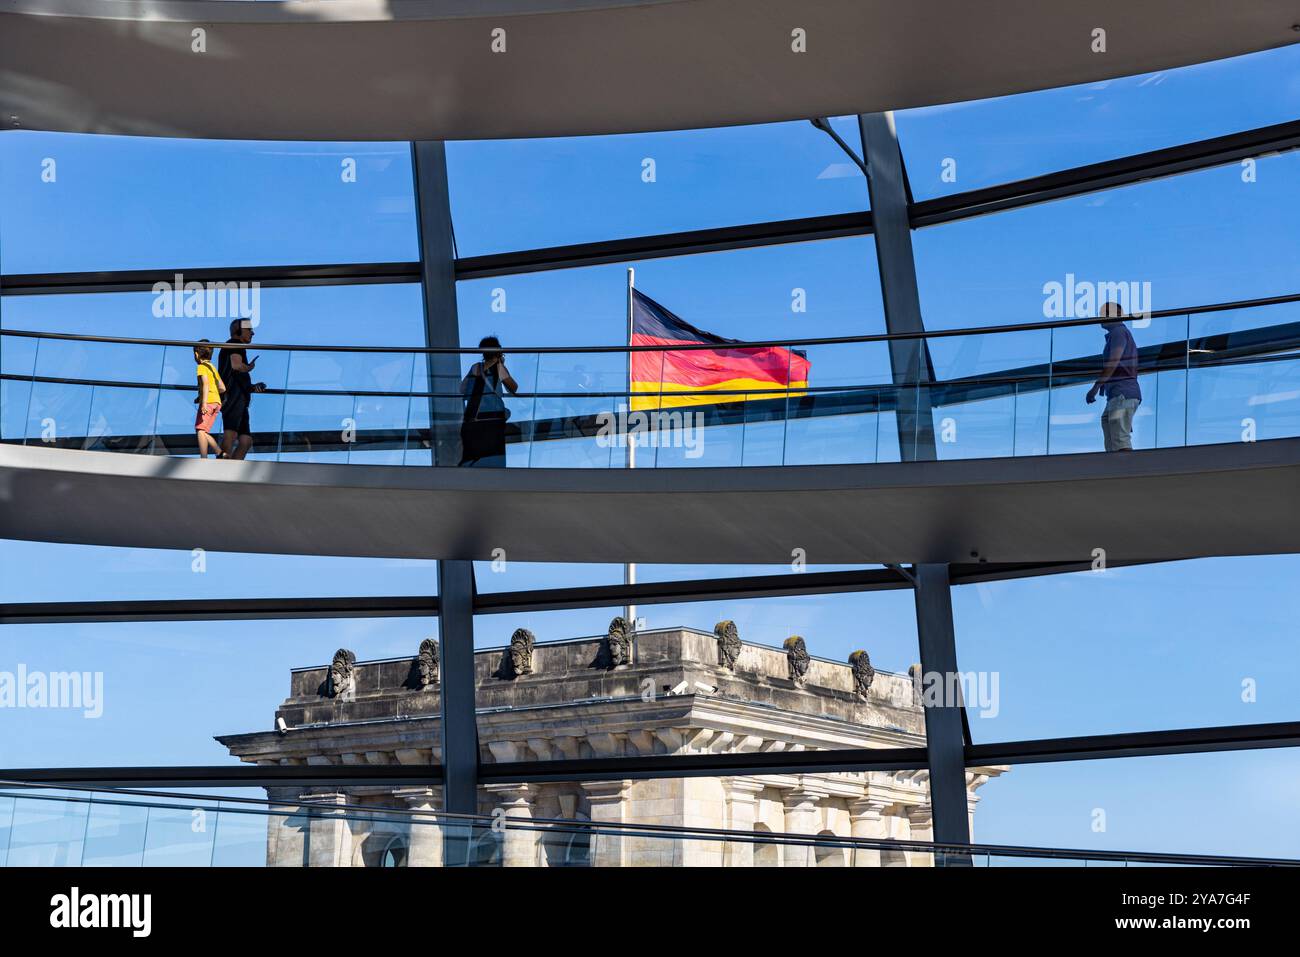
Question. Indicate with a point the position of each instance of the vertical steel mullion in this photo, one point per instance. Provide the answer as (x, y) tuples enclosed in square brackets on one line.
[(459, 723), (945, 737), (459, 726)]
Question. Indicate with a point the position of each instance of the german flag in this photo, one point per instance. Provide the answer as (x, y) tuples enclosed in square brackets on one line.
[(686, 377)]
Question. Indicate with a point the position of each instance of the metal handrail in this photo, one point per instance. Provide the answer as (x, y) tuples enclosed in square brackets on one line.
[(684, 347)]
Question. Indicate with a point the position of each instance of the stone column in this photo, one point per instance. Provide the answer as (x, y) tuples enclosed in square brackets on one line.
[(742, 813), (866, 820), (973, 781), (608, 801), (329, 832), (800, 818), (286, 832), (921, 818), (424, 836), (519, 844)]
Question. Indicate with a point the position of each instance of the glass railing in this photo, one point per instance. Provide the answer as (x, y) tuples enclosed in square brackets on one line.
[(1222, 374), (90, 827)]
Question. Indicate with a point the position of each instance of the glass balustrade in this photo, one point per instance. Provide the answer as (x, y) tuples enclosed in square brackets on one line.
[(1220, 376), (87, 827)]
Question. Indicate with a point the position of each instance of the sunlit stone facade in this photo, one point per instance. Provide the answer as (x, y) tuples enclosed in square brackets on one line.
[(674, 691)]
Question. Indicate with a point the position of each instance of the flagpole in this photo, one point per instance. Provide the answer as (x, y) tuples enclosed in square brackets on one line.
[(629, 568)]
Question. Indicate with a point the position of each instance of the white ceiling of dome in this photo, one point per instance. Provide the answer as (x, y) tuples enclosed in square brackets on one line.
[(454, 69)]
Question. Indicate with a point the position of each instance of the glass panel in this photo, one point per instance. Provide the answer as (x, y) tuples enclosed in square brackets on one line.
[(1233, 398), (160, 693), (120, 834), (76, 202), (1040, 655), (524, 194), (48, 571), (46, 833), (964, 146), (1207, 237), (384, 314), (319, 828), (800, 290), (747, 821), (1154, 804)]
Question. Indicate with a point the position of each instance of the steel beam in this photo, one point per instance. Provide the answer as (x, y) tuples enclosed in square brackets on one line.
[(143, 280), (532, 600), (438, 278), (908, 358)]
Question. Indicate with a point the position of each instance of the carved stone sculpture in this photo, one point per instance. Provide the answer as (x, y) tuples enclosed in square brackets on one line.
[(728, 643), (428, 662), (342, 682), (863, 673), (796, 658), (914, 672), (618, 643), (520, 656)]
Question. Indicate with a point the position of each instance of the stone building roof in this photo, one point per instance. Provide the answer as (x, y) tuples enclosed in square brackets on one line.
[(675, 694)]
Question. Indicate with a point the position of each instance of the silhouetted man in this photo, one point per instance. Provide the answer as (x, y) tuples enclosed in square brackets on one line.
[(1117, 382), (483, 430), (237, 372)]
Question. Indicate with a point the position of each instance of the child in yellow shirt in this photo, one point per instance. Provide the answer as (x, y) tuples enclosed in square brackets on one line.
[(211, 388)]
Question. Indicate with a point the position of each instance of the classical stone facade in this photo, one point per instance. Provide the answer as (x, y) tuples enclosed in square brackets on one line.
[(674, 691)]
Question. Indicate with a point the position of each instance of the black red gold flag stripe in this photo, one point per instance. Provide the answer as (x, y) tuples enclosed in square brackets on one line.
[(687, 377)]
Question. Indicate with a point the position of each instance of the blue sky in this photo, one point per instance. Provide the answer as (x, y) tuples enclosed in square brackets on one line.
[(1130, 649)]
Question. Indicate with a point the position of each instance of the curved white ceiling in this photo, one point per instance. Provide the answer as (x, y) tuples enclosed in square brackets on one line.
[(427, 69), (1040, 509)]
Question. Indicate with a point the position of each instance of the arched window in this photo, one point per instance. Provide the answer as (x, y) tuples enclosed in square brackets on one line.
[(394, 853), (578, 851), (829, 855), (485, 849), (567, 846), (766, 854)]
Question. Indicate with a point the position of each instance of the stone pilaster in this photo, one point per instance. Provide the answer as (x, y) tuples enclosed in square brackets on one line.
[(742, 813), (800, 818), (608, 802), (519, 844), (286, 831), (329, 832), (921, 818), (974, 781), (424, 835), (867, 821)]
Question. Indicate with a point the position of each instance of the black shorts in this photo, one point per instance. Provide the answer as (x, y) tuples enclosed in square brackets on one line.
[(234, 415)]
